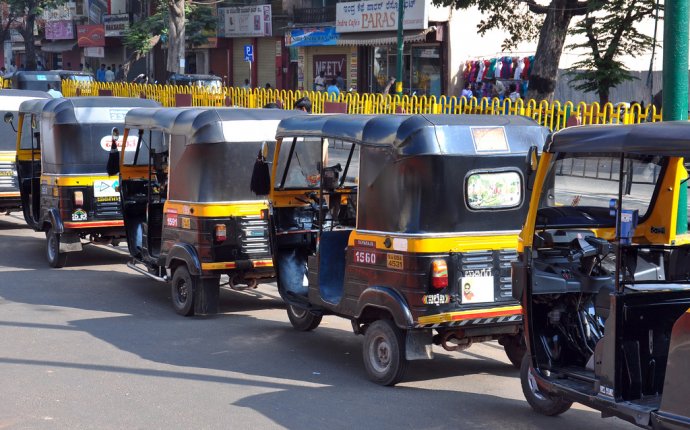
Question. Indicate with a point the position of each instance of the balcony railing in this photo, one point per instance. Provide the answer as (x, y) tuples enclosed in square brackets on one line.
[(314, 15)]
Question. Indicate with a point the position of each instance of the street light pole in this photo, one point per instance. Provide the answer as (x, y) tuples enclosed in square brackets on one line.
[(399, 75), (675, 73)]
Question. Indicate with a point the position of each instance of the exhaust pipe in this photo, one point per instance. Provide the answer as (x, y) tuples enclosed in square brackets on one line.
[(235, 281), (451, 342)]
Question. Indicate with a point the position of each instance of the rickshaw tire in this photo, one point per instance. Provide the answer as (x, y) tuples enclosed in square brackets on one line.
[(546, 405), (515, 349), (302, 319), (56, 259), (383, 337), (183, 301)]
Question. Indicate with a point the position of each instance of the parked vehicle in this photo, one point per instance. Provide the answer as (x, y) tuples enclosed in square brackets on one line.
[(206, 81), (604, 276), (75, 75), (188, 209), (404, 224), (36, 81), (62, 150), (10, 100)]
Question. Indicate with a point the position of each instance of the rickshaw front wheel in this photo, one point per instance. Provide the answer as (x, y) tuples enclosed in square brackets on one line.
[(56, 259), (384, 352), (183, 285), (302, 319), (544, 403)]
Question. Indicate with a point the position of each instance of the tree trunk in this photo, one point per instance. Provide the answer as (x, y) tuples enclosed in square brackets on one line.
[(29, 46), (542, 81), (176, 36)]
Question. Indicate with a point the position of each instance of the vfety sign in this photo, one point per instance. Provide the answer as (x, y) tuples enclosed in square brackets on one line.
[(380, 15)]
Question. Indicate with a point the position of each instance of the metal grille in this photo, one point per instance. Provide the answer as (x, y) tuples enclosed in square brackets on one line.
[(108, 209), (8, 177), (498, 262), (254, 236)]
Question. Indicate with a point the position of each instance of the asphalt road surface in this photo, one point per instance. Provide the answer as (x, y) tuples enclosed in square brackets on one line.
[(96, 346)]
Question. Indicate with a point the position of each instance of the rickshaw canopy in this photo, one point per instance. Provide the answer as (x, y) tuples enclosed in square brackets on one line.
[(85, 110)]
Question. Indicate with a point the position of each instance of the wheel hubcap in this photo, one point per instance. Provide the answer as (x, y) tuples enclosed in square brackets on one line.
[(182, 291), (51, 247), (298, 313), (534, 388), (381, 354)]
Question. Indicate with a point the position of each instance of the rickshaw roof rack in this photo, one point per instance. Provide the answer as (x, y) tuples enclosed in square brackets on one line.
[(667, 138), (211, 125), (28, 94), (419, 134), (78, 110)]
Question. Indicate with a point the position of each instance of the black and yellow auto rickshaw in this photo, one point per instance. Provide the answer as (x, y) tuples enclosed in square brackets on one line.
[(188, 209), (62, 149), (9, 106), (406, 225), (604, 275), (36, 81)]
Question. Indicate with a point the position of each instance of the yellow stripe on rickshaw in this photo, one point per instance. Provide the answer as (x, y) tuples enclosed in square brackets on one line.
[(430, 244), (233, 265), (471, 314), (216, 210), (75, 180), (9, 194), (93, 224)]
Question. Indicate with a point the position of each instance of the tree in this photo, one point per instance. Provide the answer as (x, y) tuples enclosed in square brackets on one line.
[(609, 34), (176, 35), (524, 19), (30, 10), (145, 34)]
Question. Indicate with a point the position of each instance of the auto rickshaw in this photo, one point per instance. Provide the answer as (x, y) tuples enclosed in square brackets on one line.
[(10, 100), (404, 224), (604, 275), (62, 149), (189, 213), (36, 81)]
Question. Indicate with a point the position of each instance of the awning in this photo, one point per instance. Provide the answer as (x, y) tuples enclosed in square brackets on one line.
[(382, 38), (59, 45)]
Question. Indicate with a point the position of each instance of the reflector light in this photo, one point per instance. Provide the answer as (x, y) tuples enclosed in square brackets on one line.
[(79, 198), (439, 274), (221, 233)]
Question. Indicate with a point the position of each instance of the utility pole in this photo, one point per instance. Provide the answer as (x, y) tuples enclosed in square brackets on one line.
[(399, 75), (675, 73)]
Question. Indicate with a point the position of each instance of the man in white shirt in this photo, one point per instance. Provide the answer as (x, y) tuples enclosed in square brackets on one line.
[(109, 75), (320, 82)]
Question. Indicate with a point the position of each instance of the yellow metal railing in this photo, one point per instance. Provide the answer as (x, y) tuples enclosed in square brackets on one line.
[(553, 115)]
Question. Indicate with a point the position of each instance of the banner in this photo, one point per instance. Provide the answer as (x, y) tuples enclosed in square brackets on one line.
[(245, 21), (330, 65), (59, 30), (318, 36), (380, 15), (90, 35), (116, 25)]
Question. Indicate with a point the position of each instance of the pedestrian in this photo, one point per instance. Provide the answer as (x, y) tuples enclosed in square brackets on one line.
[(268, 86), (387, 89), (479, 90), (3, 71), (12, 68), (246, 85), (320, 82), (39, 66), (53, 92), (340, 81), (303, 104), (514, 94), (333, 92), (109, 75), (499, 90), (466, 91), (100, 74), (120, 74)]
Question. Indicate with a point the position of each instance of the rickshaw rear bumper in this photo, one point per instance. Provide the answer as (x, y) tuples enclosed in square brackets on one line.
[(487, 317), (257, 268)]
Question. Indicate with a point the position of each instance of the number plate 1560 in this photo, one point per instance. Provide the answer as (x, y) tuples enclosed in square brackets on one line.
[(365, 257)]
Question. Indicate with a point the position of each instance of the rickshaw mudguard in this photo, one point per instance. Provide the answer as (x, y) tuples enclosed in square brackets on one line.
[(674, 412), (52, 217), (187, 254)]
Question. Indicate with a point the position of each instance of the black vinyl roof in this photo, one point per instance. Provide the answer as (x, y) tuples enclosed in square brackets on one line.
[(421, 134), (667, 138), (211, 125), (78, 110), (47, 76)]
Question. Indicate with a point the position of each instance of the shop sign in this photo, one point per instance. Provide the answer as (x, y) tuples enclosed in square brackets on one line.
[(116, 25), (59, 30), (91, 35), (65, 12), (380, 15), (330, 65), (97, 9), (94, 52), (317, 36), (245, 21)]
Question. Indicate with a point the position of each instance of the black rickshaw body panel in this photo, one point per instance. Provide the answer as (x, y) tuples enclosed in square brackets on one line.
[(414, 209), (209, 155), (36, 80)]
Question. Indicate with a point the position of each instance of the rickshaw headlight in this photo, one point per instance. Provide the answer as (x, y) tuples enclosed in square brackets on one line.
[(79, 198), (439, 274), (221, 233)]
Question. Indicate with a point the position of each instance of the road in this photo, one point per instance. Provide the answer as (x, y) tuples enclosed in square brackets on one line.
[(96, 346)]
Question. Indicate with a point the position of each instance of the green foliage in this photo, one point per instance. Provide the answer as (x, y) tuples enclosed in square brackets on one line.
[(609, 34), (200, 25)]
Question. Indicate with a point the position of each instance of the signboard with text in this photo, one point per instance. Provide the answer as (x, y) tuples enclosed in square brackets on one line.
[(59, 30), (318, 36), (380, 15), (330, 65), (90, 35), (116, 25), (245, 21)]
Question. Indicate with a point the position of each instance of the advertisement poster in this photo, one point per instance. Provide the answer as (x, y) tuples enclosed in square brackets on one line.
[(330, 65), (245, 21), (90, 35), (319, 36), (59, 30)]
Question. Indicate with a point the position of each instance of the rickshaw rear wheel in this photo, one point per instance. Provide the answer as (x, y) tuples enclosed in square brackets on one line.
[(544, 403), (302, 319), (515, 349), (384, 352), (56, 259), (182, 289)]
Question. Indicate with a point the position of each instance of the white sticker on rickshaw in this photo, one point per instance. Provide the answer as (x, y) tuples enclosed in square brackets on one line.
[(477, 289), (107, 142), (105, 188)]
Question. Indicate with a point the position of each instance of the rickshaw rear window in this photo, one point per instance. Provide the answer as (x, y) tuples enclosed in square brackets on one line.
[(592, 181), (494, 190)]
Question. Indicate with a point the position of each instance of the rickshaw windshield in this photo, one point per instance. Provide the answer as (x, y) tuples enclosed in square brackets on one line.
[(579, 187), (217, 172), (75, 148), (300, 161)]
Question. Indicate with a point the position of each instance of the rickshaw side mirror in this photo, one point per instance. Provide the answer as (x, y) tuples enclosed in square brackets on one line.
[(264, 150), (113, 166), (9, 117), (532, 158), (115, 135)]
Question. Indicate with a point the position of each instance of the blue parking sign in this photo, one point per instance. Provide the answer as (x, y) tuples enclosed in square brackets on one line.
[(248, 53)]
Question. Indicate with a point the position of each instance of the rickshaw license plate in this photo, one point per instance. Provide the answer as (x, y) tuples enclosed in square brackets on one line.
[(477, 289)]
